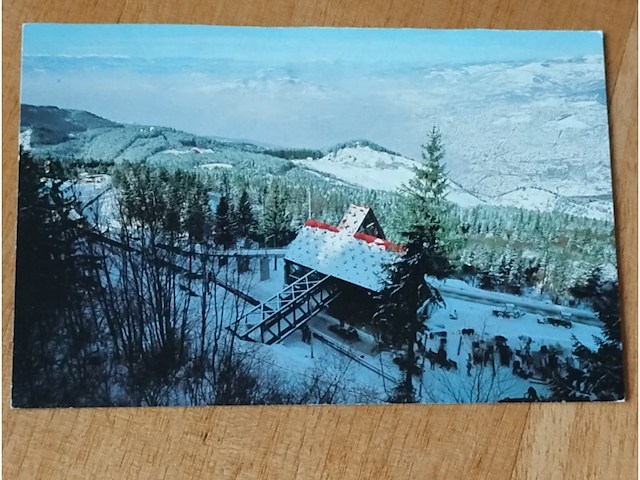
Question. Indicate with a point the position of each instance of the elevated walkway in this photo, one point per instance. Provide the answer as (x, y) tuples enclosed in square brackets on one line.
[(278, 317)]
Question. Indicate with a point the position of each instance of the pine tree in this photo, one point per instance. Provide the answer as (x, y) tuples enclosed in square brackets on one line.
[(198, 217), (426, 191), (173, 193), (515, 278), (587, 286), (244, 215), (600, 376), (276, 216), (225, 185), (224, 228), (408, 299)]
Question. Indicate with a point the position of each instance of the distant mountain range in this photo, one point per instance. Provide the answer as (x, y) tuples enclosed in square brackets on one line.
[(69, 134)]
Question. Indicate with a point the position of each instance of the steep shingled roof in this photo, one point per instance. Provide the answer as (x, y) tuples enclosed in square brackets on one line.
[(359, 218), (353, 218), (356, 258)]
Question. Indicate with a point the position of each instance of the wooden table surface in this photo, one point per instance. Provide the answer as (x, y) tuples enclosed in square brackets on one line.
[(517, 441)]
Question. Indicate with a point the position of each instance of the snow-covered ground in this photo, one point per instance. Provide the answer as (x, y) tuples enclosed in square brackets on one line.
[(98, 200), (369, 168), (437, 384), (263, 290), (480, 318), (452, 288)]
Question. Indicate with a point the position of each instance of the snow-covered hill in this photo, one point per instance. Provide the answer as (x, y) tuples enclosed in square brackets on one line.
[(370, 168), (363, 166)]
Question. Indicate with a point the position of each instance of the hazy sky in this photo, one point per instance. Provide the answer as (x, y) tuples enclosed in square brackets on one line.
[(306, 44), (283, 86)]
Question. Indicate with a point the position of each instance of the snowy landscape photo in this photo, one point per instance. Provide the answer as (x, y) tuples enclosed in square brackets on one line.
[(248, 216)]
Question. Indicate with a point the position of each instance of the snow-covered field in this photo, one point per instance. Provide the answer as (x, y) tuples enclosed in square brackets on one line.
[(369, 168), (364, 167), (480, 318), (173, 151), (212, 166), (98, 201)]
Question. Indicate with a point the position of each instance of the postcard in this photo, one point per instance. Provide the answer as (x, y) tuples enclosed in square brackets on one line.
[(216, 215)]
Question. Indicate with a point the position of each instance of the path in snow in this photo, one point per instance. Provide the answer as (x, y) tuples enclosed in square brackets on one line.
[(460, 290)]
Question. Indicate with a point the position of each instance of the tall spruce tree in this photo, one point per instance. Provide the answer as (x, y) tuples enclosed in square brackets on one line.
[(425, 192), (198, 216), (408, 299), (244, 215), (277, 217), (224, 232)]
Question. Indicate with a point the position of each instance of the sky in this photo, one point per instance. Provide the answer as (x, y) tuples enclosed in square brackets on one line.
[(306, 44), (304, 87)]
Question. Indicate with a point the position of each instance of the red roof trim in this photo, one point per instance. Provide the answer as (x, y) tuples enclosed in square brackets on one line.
[(318, 224), (379, 241), (386, 244)]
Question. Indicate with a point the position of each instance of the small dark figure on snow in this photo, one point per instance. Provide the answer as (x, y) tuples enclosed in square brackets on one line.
[(469, 365), (516, 370), (532, 395), (431, 356), (306, 333)]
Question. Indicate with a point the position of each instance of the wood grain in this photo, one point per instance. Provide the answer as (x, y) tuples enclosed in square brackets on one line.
[(563, 441)]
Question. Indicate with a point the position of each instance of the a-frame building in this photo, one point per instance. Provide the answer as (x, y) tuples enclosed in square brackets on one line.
[(360, 219), (326, 266)]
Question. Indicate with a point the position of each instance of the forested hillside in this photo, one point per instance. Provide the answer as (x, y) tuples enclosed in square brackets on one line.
[(495, 246)]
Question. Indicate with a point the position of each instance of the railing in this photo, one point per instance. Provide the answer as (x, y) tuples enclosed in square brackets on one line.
[(284, 312), (274, 303)]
